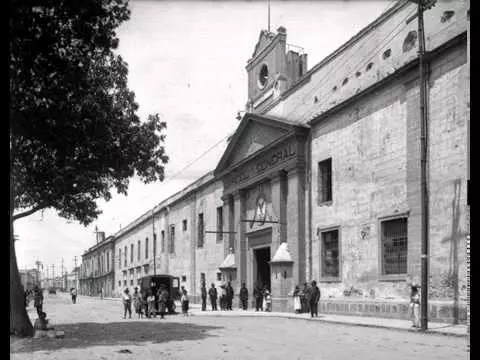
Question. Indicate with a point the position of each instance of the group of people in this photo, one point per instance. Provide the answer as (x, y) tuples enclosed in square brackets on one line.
[(145, 302), (306, 300), (224, 300), (263, 298)]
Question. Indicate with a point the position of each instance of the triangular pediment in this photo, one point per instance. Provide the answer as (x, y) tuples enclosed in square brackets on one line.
[(264, 39), (254, 133)]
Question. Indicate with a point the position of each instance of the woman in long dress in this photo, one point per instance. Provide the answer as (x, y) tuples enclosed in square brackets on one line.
[(297, 304)]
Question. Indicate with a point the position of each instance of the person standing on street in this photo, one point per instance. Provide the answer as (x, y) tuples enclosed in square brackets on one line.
[(127, 304), (297, 307), (414, 306), (38, 300), (137, 302), (184, 300), (151, 304), (212, 292), (162, 300), (204, 296), (258, 295), (314, 299), (244, 296), (73, 293), (230, 294), (305, 298)]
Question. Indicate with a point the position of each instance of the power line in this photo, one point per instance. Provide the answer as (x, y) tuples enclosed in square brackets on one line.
[(197, 159), (169, 178)]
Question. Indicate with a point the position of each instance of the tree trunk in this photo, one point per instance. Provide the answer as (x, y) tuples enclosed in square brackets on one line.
[(20, 323)]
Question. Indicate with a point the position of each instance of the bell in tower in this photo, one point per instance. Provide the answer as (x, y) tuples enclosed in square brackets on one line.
[(274, 67)]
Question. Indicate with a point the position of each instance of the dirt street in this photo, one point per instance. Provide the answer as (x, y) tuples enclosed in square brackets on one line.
[(95, 329)]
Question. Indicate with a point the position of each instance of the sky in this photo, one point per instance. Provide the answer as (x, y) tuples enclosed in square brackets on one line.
[(187, 63)]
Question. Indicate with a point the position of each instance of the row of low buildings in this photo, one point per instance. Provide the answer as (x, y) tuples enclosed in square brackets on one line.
[(322, 179), (29, 278)]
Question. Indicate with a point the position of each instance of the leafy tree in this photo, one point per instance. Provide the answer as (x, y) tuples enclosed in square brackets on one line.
[(74, 132)]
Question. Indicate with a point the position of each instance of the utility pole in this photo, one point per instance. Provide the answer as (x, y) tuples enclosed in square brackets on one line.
[(53, 275), (422, 6), (76, 272), (154, 243), (62, 277), (38, 264)]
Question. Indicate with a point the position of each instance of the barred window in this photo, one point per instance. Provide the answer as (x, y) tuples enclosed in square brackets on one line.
[(330, 254), (325, 181), (200, 240), (219, 223), (394, 246), (171, 249)]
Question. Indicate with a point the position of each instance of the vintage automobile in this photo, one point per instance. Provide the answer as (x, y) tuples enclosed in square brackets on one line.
[(52, 290), (171, 283)]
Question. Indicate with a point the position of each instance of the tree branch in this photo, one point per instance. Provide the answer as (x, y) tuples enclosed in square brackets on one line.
[(28, 212)]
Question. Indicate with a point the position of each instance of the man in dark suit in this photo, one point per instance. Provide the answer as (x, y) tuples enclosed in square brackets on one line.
[(314, 299), (244, 296), (258, 295), (230, 294), (212, 292)]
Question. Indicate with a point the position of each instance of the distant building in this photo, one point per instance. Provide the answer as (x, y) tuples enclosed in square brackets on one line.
[(96, 270), (29, 278), (72, 279)]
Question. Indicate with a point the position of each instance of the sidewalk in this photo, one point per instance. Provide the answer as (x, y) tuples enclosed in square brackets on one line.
[(394, 324)]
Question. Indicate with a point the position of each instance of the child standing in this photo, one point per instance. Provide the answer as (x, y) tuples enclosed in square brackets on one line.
[(415, 305), (184, 300), (151, 304), (268, 301)]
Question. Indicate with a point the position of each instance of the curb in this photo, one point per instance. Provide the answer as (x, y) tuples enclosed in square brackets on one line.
[(428, 332)]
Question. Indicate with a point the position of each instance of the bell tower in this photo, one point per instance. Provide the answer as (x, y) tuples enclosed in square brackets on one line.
[(274, 67)]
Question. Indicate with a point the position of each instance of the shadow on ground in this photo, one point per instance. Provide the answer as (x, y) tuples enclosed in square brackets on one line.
[(83, 335)]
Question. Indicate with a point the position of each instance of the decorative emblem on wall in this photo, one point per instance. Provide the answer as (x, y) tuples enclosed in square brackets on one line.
[(260, 212)]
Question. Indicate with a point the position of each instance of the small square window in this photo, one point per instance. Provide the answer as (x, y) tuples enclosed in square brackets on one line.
[(184, 278)]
